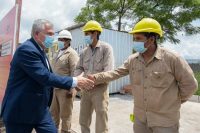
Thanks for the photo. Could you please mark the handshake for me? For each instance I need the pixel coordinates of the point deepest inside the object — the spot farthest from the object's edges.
(85, 83)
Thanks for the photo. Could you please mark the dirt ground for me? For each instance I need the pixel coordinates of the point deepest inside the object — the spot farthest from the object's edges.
(121, 106)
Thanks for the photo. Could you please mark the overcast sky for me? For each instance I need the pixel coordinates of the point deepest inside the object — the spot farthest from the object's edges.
(60, 12)
(63, 12)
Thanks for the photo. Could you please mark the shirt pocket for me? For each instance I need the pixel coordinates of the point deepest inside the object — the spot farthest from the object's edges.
(63, 60)
(136, 76)
(86, 63)
(98, 64)
(161, 79)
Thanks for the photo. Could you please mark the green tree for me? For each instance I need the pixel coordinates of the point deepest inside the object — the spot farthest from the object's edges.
(175, 16)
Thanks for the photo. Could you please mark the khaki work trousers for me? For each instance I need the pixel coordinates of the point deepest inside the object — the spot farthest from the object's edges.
(97, 100)
(140, 127)
(61, 108)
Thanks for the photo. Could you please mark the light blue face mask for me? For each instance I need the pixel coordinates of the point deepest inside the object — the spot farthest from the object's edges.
(88, 39)
(139, 47)
(48, 42)
(61, 45)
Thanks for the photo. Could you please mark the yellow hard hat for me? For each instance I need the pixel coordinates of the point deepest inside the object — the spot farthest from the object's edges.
(92, 26)
(147, 25)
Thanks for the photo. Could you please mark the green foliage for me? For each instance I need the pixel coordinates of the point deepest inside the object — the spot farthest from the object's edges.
(197, 75)
(175, 16)
(94, 12)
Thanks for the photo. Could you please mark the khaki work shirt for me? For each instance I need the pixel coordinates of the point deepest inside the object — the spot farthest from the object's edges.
(159, 86)
(95, 60)
(64, 64)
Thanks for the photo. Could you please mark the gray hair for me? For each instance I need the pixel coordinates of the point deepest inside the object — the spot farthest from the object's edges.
(39, 25)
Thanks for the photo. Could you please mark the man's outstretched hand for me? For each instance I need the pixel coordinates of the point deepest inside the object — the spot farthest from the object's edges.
(84, 83)
(91, 77)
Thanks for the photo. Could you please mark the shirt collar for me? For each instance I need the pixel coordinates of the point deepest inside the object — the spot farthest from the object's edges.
(157, 54)
(38, 44)
(97, 46)
(67, 49)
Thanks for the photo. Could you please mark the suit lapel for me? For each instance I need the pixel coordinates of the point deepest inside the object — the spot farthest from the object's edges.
(44, 57)
(48, 63)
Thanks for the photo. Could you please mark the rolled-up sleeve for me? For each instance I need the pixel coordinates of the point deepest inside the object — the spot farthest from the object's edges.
(184, 75)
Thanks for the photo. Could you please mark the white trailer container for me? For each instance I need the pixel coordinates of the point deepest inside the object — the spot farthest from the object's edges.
(120, 42)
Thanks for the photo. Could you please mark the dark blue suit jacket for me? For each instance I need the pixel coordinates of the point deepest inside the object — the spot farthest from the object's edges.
(30, 85)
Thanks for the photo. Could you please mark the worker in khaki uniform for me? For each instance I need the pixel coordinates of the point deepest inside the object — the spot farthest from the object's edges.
(161, 80)
(64, 64)
(95, 58)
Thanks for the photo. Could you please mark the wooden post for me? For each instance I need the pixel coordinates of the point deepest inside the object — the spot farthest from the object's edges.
(18, 3)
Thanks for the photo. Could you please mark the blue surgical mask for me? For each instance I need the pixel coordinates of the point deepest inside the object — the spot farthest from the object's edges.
(88, 39)
(48, 42)
(61, 45)
(139, 47)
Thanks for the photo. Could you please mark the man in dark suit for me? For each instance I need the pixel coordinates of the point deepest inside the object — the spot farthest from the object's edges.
(29, 89)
